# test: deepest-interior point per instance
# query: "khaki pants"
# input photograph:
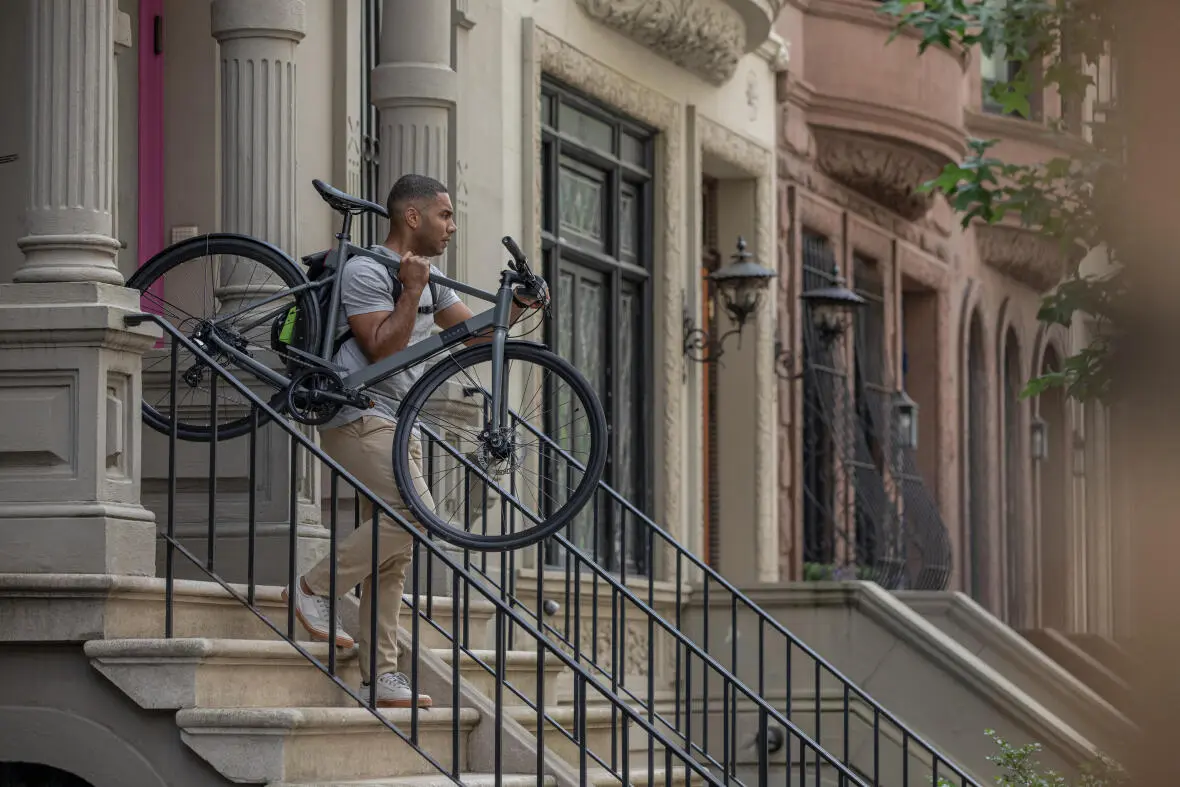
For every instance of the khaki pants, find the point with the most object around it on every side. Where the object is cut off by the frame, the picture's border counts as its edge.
(364, 447)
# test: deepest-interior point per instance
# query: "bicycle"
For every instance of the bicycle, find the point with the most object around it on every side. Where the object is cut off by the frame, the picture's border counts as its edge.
(311, 389)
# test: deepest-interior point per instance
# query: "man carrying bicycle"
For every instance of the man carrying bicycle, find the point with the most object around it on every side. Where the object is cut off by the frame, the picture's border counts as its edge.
(384, 316)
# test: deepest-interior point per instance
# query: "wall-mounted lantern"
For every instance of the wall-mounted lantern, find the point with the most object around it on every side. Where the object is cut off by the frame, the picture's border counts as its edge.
(832, 307)
(1079, 454)
(907, 419)
(1039, 439)
(741, 285)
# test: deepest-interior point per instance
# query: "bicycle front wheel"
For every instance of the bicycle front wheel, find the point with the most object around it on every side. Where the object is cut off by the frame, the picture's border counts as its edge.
(499, 486)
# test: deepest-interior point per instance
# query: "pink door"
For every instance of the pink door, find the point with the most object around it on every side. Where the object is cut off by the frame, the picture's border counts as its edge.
(151, 135)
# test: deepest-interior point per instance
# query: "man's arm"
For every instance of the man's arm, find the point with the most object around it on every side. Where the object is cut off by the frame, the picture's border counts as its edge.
(381, 334)
(381, 327)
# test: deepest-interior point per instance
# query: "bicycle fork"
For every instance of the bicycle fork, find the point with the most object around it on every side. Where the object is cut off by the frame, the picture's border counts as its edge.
(500, 377)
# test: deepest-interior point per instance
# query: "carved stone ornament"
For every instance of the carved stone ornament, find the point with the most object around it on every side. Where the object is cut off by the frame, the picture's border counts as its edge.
(797, 169)
(888, 172)
(1022, 254)
(706, 37)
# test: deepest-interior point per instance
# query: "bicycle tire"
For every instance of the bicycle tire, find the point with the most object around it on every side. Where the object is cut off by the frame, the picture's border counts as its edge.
(255, 250)
(514, 350)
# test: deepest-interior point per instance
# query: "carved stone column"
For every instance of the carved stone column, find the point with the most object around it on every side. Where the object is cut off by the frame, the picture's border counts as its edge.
(71, 153)
(415, 89)
(258, 40)
(70, 369)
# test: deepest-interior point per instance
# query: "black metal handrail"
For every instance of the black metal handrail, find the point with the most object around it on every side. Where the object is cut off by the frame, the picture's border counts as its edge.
(507, 617)
(619, 592)
(911, 743)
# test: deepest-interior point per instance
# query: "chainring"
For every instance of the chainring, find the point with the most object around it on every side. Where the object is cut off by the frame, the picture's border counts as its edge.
(304, 401)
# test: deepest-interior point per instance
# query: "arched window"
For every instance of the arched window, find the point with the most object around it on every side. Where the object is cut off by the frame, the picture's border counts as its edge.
(1011, 446)
(976, 497)
(1053, 568)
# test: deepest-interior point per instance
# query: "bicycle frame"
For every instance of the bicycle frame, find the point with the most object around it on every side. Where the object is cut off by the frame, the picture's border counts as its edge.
(495, 318)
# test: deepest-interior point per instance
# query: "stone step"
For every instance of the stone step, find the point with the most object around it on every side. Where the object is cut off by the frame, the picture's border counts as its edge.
(311, 745)
(243, 673)
(520, 672)
(640, 776)
(223, 673)
(437, 780)
(134, 608)
(599, 728)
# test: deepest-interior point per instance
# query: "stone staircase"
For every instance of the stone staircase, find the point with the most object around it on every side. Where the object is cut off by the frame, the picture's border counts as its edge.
(260, 712)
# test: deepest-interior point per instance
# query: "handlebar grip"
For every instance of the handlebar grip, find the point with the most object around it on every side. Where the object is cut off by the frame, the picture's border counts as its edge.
(514, 250)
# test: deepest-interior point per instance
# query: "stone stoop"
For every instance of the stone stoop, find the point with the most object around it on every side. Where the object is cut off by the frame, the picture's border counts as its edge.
(258, 711)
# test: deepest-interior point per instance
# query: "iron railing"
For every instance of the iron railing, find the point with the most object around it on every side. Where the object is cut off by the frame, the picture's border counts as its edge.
(515, 628)
(703, 687)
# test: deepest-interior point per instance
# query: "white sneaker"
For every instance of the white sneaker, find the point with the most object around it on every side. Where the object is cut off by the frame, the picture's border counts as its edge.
(312, 612)
(393, 691)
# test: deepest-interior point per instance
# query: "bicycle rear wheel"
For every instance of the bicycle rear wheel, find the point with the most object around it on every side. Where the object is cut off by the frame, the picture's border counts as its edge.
(500, 490)
(208, 278)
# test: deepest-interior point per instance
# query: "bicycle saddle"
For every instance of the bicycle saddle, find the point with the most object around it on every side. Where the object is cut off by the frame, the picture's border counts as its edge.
(346, 203)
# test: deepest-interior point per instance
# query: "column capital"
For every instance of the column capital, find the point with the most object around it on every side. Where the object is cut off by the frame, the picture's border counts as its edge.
(283, 19)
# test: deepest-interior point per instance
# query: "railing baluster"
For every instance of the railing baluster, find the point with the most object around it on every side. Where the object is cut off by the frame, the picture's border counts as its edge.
(763, 749)
(581, 730)
(292, 536)
(818, 720)
(501, 658)
(905, 758)
(541, 693)
(374, 594)
(616, 653)
(679, 627)
(455, 673)
(415, 640)
(725, 731)
(252, 506)
(212, 537)
(428, 461)
(334, 491)
(876, 743)
(705, 669)
(467, 557)
(651, 656)
(170, 525)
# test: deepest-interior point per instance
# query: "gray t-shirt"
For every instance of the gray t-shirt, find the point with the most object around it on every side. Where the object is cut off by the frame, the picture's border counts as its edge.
(366, 285)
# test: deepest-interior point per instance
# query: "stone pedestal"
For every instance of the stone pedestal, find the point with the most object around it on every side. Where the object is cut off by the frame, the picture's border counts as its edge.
(70, 431)
(70, 368)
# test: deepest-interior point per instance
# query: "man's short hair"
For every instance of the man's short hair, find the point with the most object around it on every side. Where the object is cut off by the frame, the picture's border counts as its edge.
(411, 188)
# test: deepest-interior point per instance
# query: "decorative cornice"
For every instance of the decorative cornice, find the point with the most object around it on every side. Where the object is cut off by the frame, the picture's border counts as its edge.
(1022, 254)
(886, 171)
(706, 37)
(776, 52)
(988, 125)
(799, 169)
